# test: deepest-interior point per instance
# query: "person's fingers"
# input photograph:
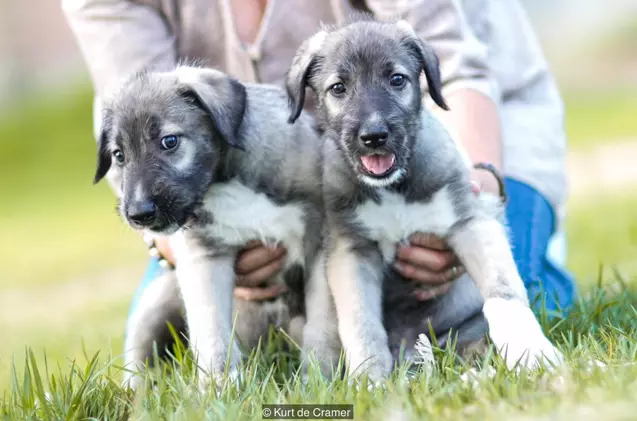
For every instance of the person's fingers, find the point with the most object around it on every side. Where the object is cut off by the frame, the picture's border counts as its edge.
(428, 241)
(257, 257)
(252, 244)
(430, 293)
(163, 247)
(475, 187)
(259, 294)
(431, 259)
(259, 276)
(426, 276)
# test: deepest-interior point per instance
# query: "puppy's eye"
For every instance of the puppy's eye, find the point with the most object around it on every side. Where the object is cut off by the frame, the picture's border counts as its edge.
(337, 89)
(119, 156)
(169, 142)
(397, 80)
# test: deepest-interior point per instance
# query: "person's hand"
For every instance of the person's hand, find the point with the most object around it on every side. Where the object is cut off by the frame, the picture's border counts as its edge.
(163, 247)
(484, 181)
(255, 264)
(427, 259)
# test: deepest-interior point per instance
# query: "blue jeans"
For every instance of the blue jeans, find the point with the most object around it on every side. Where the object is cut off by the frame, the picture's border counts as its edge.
(531, 221)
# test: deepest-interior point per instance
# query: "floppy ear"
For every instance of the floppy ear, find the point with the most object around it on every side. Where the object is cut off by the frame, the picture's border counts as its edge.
(103, 154)
(222, 97)
(428, 62)
(431, 66)
(297, 76)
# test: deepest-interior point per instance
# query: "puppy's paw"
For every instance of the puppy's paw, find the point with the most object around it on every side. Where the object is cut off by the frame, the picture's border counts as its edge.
(133, 381)
(371, 385)
(518, 336)
(472, 377)
(377, 368)
(323, 359)
(220, 380)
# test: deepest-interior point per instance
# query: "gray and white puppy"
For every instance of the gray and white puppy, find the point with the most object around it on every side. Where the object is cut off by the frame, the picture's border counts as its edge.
(392, 170)
(212, 163)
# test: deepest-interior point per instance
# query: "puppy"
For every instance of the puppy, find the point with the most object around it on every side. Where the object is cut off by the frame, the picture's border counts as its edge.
(391, 170)
(212, 163)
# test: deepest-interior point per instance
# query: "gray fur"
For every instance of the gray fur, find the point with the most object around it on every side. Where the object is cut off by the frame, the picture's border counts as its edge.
(234, 144)
(351, 70)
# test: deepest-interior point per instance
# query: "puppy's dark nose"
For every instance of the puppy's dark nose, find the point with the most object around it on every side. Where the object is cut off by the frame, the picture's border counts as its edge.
(374, 137)
(142, 212)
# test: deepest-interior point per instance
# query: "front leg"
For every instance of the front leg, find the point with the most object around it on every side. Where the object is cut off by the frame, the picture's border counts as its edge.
(320, 333)
(482, 246)
(206, 281)
(355, 279)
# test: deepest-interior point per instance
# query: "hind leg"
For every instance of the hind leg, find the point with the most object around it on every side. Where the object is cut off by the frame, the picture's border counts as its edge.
(455, 317)
(320, 334)
(469, 338)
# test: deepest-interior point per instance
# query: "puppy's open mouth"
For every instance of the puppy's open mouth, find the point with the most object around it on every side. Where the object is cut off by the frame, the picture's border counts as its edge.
(378, 165)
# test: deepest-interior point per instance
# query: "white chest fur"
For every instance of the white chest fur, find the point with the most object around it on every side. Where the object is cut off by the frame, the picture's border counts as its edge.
(240, 214)
(394, 220)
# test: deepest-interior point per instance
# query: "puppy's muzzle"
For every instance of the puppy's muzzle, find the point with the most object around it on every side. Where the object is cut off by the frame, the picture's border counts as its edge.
(142, 213)
(374, 136)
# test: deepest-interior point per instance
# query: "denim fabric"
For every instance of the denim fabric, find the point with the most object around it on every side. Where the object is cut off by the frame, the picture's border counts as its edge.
(531, 221)
(153, 271)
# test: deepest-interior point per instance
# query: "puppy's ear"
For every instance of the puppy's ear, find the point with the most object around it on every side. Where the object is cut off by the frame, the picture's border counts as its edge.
(299, 73)
(429, 63)
(222, 97)
(103, 153)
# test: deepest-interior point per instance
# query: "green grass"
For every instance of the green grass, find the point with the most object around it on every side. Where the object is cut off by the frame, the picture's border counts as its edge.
(60, 225)
(596, 117)
(602, 233)
(600, 328)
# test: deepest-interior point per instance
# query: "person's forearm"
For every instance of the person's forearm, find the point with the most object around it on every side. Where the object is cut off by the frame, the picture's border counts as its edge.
(474, 122)
(473, 119)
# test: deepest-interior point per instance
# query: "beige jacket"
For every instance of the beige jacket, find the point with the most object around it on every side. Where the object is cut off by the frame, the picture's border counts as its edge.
(486, 45)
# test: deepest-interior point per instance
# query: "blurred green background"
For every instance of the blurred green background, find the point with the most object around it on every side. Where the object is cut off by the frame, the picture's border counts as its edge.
(69, 266)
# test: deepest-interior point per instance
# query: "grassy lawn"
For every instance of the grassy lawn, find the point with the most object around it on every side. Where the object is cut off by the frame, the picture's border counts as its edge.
(601, 328)
(603, 235)
(60, 225)
(61, 235)
(593, 117)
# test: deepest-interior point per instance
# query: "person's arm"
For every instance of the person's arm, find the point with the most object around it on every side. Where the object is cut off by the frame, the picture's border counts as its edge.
(119, 38)
(473, 119)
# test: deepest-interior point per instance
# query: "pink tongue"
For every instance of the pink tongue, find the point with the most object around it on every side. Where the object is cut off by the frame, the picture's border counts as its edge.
(378, 164)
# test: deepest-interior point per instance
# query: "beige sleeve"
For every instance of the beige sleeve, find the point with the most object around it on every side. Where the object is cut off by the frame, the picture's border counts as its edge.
(443, 25)
(118, 38)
